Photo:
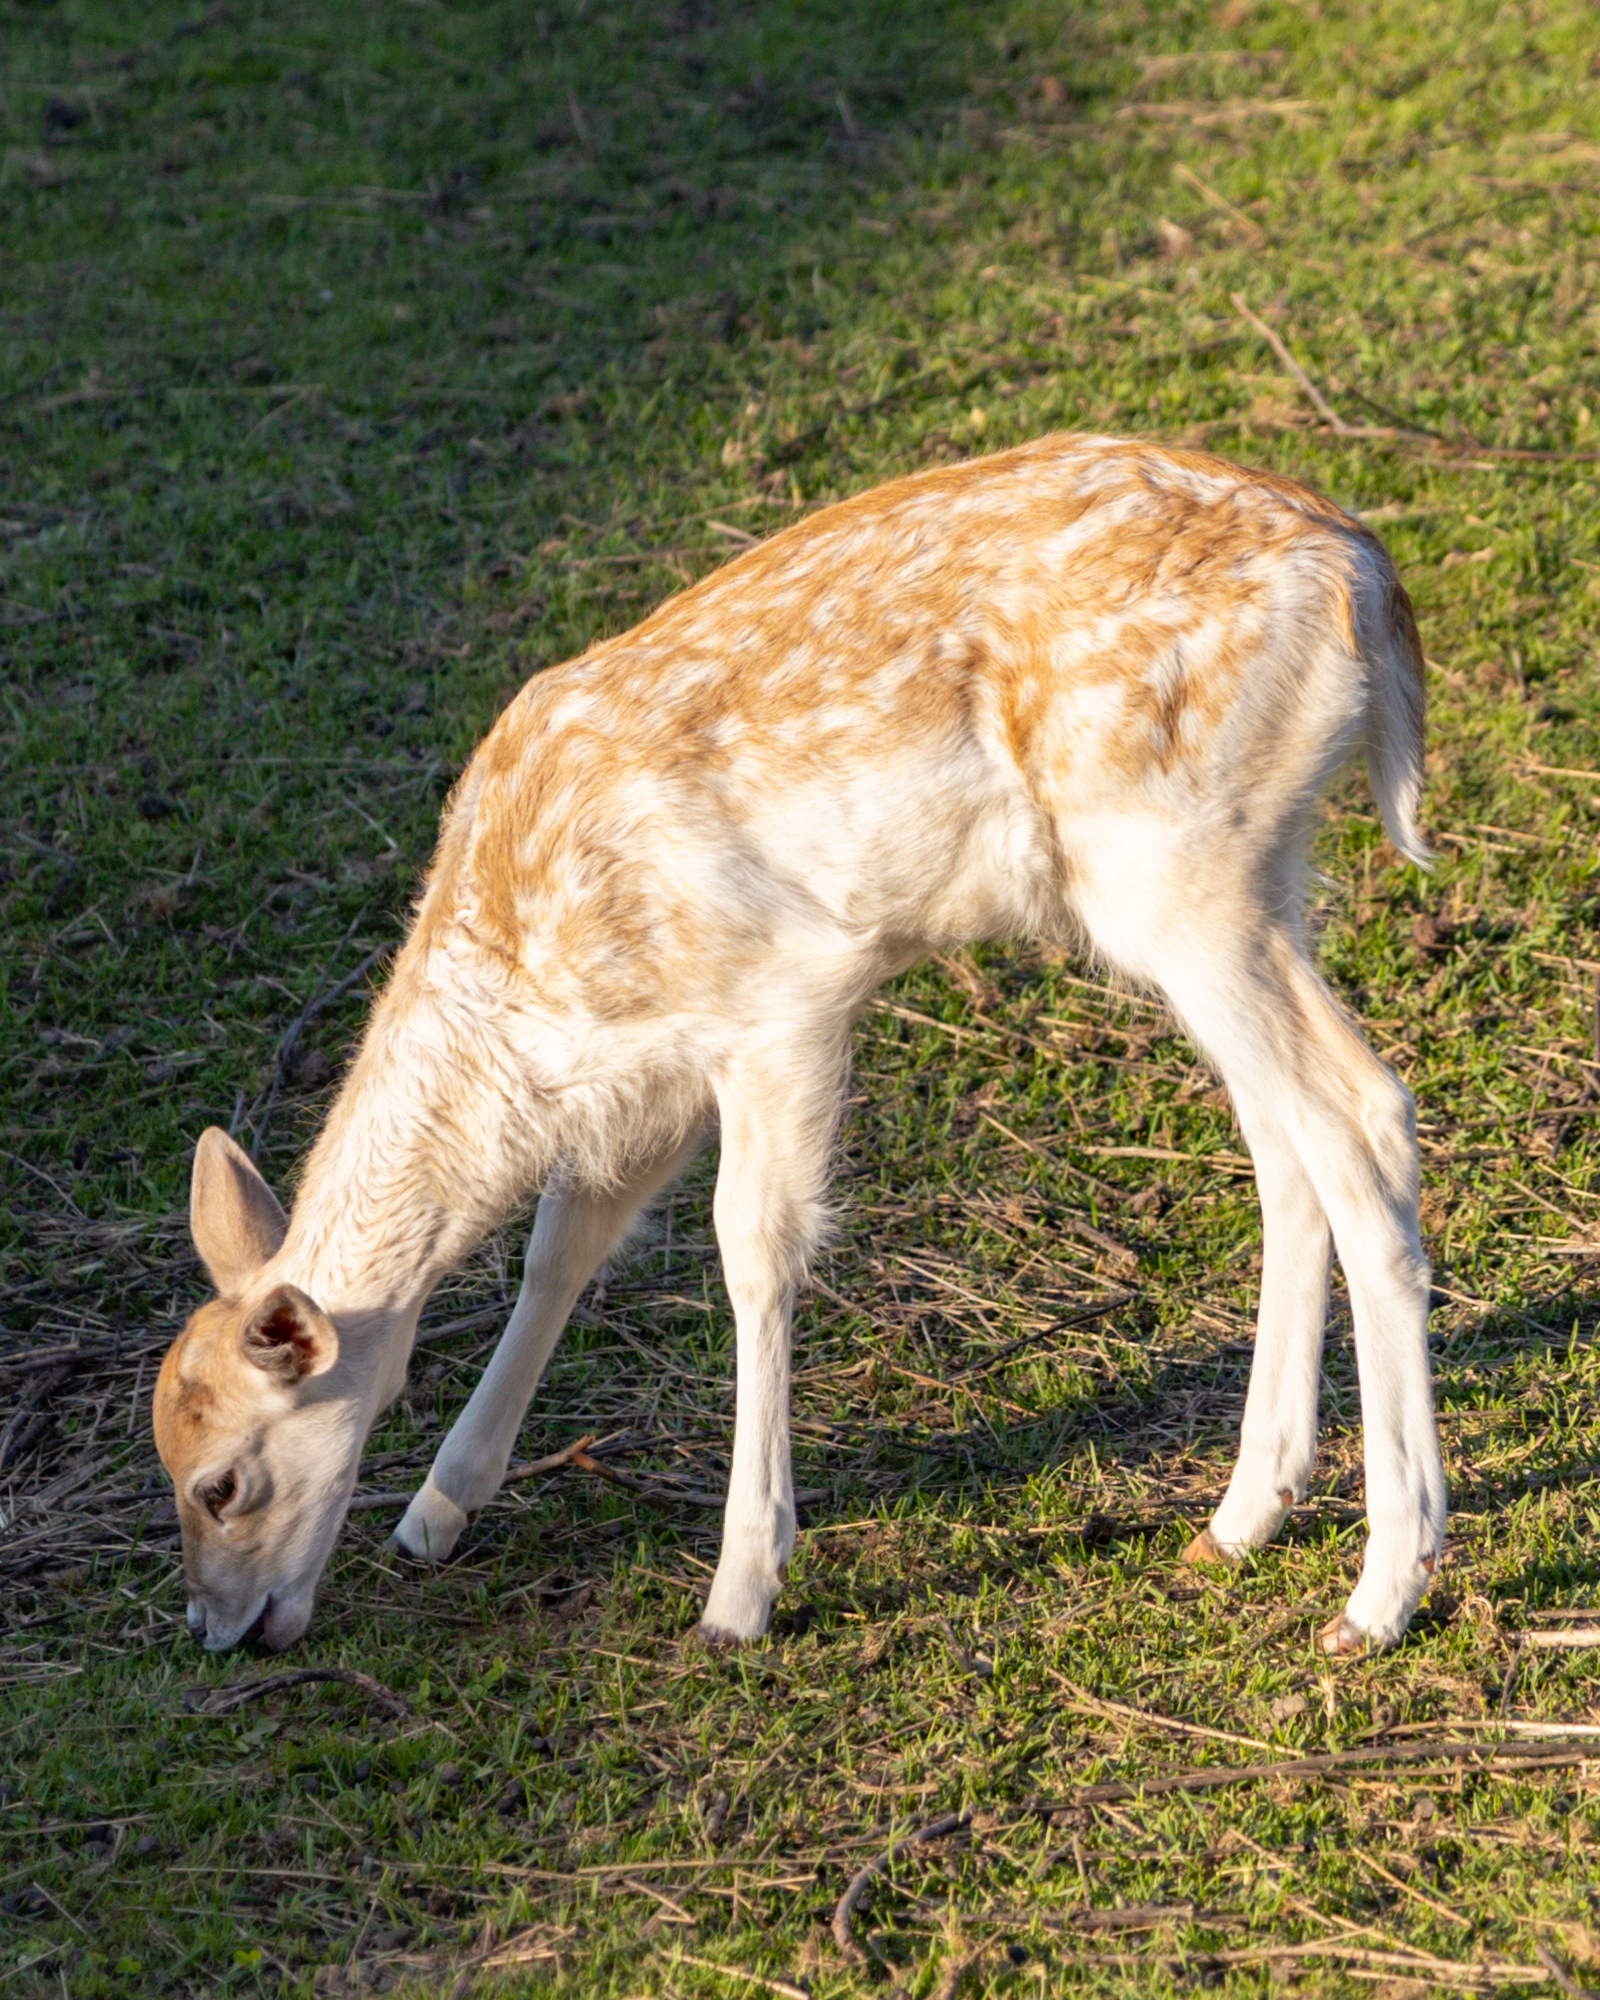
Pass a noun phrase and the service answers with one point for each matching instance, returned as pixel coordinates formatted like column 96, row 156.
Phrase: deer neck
column 409, row 1172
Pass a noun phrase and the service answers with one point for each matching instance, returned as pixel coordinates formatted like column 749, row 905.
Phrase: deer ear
column 234, row 1216
column 288, row 1337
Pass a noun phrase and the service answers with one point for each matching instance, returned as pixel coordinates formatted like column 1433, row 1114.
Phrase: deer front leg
column 1278, row 1438
column 758, row 1524
column 574, row 1230
column 776, row 1129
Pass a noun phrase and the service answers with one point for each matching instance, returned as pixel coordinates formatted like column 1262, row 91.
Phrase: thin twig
column 1320, row 402
column 1416, row 1963
column 19, row 1432
column 1119, row 1712
column 467, row 1323
column 1257, row 235
column 1465, row 455
column 751, row 1978
column 1139, row 1917
column 1572, row 1639
column 1405, row 1888
column 555, row 1459
column 1080, row 1316
column 317, row 1004
column 644, row 1489
column 1509, row 1683
column 954, row 1975
column 569, row 1454
column 1213, row 1777
column 1126, row 1259
column 39, row 1889
column 1323, row 407
column 1594, row 1018
column 845, row 1908
column 1234, row 1163
column 298, row 396
column 223, row 1700
column 1559, row 1973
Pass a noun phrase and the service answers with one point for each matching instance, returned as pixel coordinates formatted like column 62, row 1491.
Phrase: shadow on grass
column 360, row 364
column 362, row 367
column 1150, row 1490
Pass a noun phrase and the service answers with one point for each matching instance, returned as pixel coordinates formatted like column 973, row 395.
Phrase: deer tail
column 1396, row 712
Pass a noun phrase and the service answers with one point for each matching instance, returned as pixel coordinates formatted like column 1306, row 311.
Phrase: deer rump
column 1087, row 691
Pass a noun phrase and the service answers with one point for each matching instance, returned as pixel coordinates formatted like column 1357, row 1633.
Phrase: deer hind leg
column 1282, row 1041
column 1278, row 1438
column 574, row 1230
column 779, row 1112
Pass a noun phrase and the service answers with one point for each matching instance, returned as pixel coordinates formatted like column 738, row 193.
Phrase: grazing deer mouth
column 218, row 1639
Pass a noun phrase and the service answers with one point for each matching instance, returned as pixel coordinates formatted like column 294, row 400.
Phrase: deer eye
column 215, row 1497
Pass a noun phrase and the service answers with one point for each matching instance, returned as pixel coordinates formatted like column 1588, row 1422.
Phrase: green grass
column 359, row 361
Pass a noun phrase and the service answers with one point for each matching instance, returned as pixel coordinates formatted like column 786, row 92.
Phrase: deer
column 1086, row 692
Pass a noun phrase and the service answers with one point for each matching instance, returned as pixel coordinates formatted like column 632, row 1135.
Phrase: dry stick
column 1405, row 1888
column 468, row 1323
column 1213, row 1777
column 1257, row 235
column 643, row 1489
column 1571, row 1639
column 556, row 1459
column 1462, row 455
column 1074, row 1224
column 1416, row 1962
column 1546, row 1732
column 1039, row 1152
column 19, row 1432
column 1320, row 402
column 1079, row 1316
column 291, row 1036
column 751, row 1978
column 845, row 1908
column 577, row 1454
column 31, row 1364
column 689, row 1496
column 954, row 1975
column 221, row 1701
column 1231, row 1162
column 1509, row 1683
column 1561, row 1976
column 1144, row 1917
column 1119, row 1712
column 1594, row 1019
column 526, row 1947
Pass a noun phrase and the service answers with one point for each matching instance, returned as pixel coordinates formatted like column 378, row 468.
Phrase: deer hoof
column 1339, row 1637
column 431, row 1527
column 1205, row 1548
column 715, row 1639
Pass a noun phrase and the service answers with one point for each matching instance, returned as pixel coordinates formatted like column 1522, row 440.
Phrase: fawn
column 1086, row 691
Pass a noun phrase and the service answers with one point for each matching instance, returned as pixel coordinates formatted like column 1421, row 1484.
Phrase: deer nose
column 196, row 1619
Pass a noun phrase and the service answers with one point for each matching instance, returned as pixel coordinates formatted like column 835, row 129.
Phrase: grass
column 358, row 361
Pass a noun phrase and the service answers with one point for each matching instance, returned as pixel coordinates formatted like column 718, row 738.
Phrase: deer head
column 256, row 1422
